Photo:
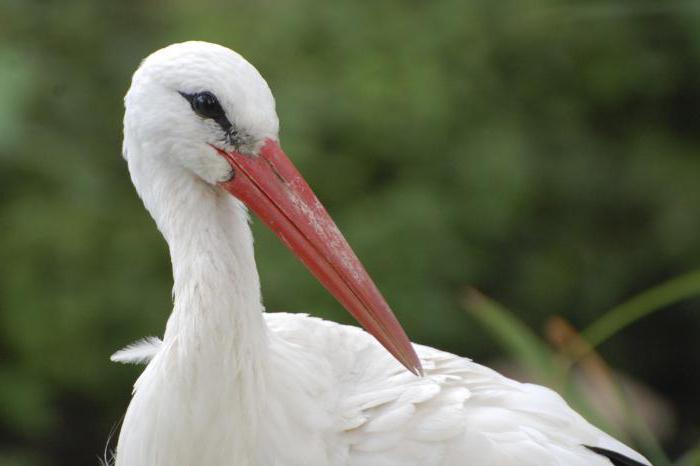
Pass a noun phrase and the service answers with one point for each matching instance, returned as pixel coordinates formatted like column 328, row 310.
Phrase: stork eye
column 206, row 105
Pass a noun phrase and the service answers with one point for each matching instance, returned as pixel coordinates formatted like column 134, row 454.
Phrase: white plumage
column 231, row 385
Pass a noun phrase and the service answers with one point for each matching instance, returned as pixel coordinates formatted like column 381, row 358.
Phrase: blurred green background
column 544, row 152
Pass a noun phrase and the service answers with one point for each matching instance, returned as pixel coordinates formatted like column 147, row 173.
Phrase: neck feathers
column 217, row 319
column 215, row 351
column 217, row 304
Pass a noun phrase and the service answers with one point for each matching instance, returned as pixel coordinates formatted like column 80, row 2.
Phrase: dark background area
column 545, row 152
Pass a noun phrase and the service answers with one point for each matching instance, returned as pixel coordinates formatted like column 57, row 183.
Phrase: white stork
column 231, row 385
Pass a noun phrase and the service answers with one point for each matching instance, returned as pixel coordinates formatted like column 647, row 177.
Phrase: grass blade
column 645, row 303
column 524, row 345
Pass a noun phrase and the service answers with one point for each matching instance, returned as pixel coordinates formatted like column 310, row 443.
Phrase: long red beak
column 271, row 186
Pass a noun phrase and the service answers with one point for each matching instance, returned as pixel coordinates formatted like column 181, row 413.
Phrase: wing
column 460, row 413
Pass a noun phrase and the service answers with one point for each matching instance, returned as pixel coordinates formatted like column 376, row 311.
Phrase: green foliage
column 545, row 152
column 651, row 300
column 523, row 344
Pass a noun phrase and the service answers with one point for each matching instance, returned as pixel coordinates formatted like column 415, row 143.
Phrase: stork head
column 201, row 110
column 188, row 100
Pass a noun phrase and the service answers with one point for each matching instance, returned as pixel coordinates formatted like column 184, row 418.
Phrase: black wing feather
column 618, row 459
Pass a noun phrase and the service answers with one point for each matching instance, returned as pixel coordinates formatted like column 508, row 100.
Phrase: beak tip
column 416, row 367
column 410, row 360
column 418, row 371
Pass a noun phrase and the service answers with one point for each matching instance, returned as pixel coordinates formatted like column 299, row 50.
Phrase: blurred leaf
column 690, row 458
column 645, row 303
column 524, row 346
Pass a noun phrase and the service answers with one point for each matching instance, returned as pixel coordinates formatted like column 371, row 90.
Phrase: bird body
column 232, row 385
column 333, row 397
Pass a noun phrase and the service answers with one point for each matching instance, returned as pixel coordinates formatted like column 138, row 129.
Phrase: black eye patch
column 206, row 105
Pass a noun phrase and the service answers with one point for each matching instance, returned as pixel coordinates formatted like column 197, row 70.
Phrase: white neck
column 217, row 305
column 215, row 354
